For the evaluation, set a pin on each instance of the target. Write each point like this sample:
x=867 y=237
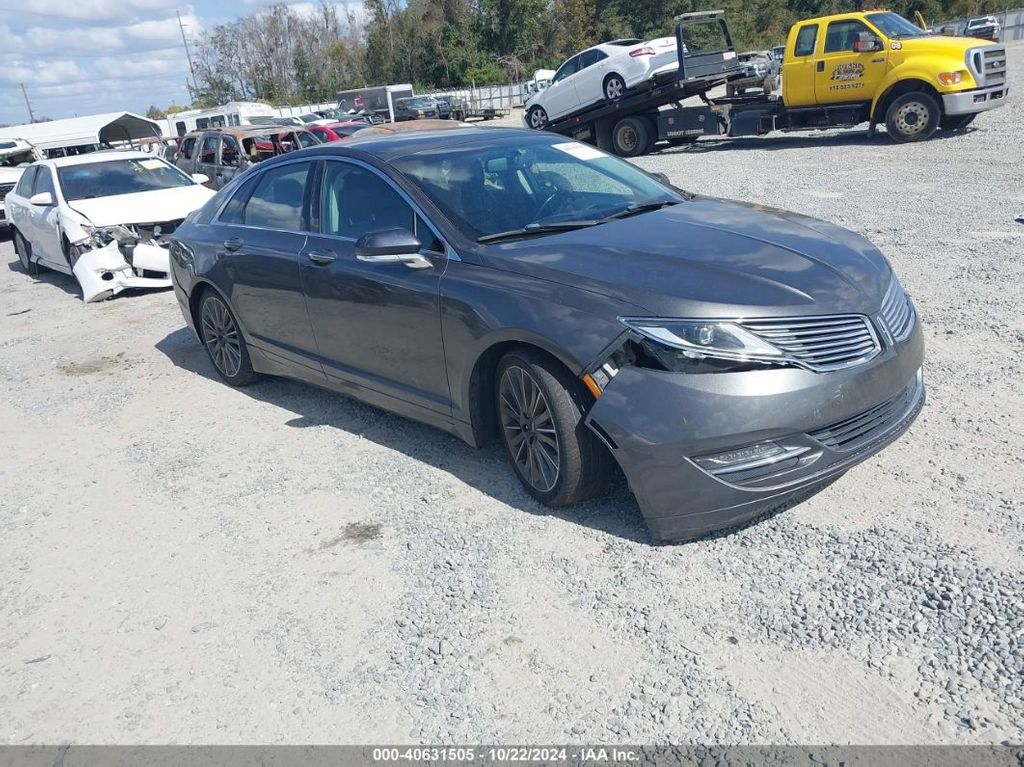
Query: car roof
x=107 y=155
x=391 y=146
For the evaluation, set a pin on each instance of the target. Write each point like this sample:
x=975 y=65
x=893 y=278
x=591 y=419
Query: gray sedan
x=519 y=286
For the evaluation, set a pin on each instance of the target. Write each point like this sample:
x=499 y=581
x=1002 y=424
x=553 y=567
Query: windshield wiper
x=533 y=229
x=641 y=207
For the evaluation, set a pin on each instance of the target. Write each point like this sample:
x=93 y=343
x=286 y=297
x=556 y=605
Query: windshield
x=416 y=103
x=114 y=177
x=894 y=25
x=486 y=190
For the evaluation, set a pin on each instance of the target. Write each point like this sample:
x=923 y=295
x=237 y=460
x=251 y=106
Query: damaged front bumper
x=106 y=271
x=707 y=452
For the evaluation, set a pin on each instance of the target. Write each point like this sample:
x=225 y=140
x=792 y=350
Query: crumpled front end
x=709 y=451
x=113 y=259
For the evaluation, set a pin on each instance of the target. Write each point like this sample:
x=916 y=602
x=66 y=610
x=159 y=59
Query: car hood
x=11 y=175
x=143 y=207
x=711 y=258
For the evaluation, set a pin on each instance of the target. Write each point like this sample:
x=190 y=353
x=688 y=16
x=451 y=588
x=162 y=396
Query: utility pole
x=31 y=117
x=188 y=54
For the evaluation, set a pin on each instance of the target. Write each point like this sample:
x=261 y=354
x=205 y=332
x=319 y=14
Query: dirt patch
x=96 y=365
x=354 y=532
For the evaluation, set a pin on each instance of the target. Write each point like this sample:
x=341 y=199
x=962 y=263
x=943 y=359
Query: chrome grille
x=990 y=63
x=820 y=343
x=866 y=427
x=897 y=311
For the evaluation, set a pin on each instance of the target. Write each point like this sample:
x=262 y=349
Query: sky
x=81 y=57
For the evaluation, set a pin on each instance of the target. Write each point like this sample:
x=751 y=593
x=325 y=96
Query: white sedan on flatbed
x=602 y=73
x=103 y=218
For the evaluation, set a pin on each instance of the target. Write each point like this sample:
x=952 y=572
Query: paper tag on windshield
x=151 y=164
x=580 y=151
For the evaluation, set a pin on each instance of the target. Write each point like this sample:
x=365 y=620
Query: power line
x=31 y=117
x=188 y=54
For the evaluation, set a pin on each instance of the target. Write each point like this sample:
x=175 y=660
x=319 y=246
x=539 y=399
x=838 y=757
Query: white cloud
x=96 y=10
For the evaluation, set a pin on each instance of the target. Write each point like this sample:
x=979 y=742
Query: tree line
x=281 y=56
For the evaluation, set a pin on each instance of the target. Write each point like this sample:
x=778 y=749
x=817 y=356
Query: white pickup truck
x=15 y=156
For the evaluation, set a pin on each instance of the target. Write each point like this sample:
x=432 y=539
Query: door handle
x=821 y=66
x=321 y=257
x=232 y=244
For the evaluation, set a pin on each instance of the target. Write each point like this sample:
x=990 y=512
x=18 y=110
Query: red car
x=336 y=131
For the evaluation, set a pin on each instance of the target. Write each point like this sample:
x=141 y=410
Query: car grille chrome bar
x=863 y=428
x=990 y=64
x=897 y=311
x=820 y=343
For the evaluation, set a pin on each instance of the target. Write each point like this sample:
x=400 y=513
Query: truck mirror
x=866 y=42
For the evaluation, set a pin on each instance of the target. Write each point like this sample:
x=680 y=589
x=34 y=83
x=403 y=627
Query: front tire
x=223 y=341
x=956 y=122
x=911 y=117
x=540 y=409
x=537 y=117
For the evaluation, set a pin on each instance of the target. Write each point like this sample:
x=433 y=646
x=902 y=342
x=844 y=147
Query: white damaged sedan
x=103 y=218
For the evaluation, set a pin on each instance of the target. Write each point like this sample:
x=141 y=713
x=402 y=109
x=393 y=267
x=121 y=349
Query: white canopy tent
x=106 y=129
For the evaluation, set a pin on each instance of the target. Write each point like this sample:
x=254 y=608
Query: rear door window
x=229 y=151
x=208 y=154
x=277 y=200
x=188 y=147
x=26 y=181
x=589 y=58
x=805 y=40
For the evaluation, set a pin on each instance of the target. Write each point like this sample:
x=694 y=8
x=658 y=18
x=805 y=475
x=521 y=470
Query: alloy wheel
x=529 y=429
x=221 y=337
x=538 y=118
x=614 y=88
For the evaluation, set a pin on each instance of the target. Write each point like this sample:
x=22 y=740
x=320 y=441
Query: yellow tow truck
x=877 y=67
x=838 y=71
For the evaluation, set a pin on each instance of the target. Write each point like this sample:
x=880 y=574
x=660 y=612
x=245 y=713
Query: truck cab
x=876 y=66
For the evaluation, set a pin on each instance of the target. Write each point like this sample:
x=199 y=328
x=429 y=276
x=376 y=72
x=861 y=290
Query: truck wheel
x=630 y=137
x=956 y=122
x=537 y=118
x=912 y=117
x=614 y=87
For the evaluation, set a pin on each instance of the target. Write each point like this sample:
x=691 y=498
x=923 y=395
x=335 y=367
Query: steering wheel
x=552 y=204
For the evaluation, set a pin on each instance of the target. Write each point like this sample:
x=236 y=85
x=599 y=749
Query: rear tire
x=956 y=122
x=614 y=88
x=631 y=137
x=537 y=117
x=911 y=117
x=223 y=340
x=540 y=408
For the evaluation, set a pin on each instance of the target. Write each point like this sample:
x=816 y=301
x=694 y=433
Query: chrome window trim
x=449 y=252
x=216 y=218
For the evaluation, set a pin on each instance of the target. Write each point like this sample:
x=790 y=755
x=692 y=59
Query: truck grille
x=897 y=311
x=820 y=343
x=990 y=62
x=866 y=427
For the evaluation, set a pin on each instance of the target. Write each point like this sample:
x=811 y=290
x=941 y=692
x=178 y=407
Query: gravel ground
x=184 y=562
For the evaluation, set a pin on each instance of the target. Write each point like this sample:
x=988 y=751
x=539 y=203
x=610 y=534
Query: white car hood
x=143 y=207
x=10 y=175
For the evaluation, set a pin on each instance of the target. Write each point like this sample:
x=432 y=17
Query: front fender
x=482 y=307
x=911 y=71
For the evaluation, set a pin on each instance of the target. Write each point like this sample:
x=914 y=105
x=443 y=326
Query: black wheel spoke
x=221 y=336
x=529 y=429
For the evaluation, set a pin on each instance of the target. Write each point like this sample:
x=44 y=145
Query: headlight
x=679 y=344
x=951 y=78
x=104 y=235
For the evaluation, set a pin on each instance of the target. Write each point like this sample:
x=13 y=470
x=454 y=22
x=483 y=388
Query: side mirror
x=200 y=178
x=391 y=246
x=866 y=43
x=43 y=199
